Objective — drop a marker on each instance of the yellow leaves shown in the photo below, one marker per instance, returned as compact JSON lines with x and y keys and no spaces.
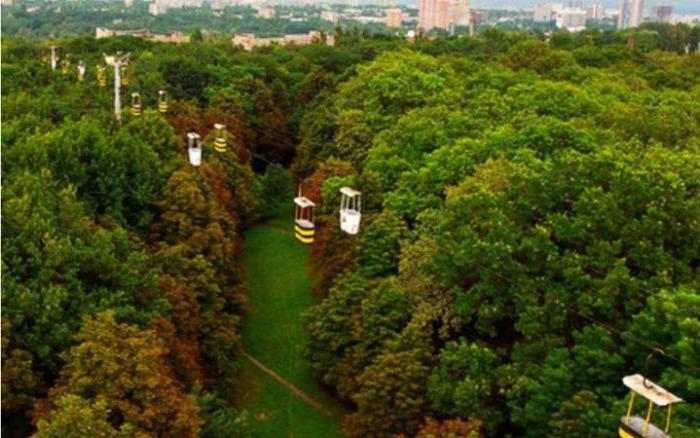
{"x":493,"y":175}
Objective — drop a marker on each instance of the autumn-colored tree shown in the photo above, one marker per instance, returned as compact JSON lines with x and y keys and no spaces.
{"x":77,"y":417}
{"x":451,"y":428}
{"x":124,"y":368}
{"x":196,"y":243}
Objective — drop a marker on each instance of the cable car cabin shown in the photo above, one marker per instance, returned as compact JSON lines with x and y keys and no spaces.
{"x":304,"y":228}
{"x":136,"y":104}
{"x":194,"y":148}
{"x":350,"y":210}
{"x":81,"y":71}
{"x":632,"y":426}
{"x":123,"y":75}
{"x":101,"y":76}
{"x":162,"y":102}
{"x":65,"y":66}
{"x":219,"y":137}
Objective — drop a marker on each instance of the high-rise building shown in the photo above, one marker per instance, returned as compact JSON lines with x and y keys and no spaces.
{"x":460,"y":13}
{"x":663,"y":13}
{"x":426,"y":14}
{"x":631,"y":14}
{"x":545,"y":12}
{"x":394,"y":17}
{"x":442,"y":14}
{"x":595,"y":12}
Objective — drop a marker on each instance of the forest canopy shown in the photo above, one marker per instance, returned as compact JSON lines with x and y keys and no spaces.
{"x":530,"y":229}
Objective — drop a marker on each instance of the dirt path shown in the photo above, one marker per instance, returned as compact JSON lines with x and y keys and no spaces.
{"x":296,"y":391}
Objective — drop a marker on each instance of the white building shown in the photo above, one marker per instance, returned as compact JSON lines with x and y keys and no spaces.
{"x":546,"y":12}
{"x":572,"y":19}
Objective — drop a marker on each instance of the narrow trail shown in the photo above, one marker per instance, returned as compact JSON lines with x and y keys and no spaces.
{"x":278,"y":388}
{"x":298,"y":392}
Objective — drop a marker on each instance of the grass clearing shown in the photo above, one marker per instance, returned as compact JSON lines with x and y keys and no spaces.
{"x":278,"y":289}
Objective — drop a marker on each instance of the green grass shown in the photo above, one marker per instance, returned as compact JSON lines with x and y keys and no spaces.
{"x":278,"y":289}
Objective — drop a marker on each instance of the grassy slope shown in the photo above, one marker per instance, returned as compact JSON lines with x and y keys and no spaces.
{"x":278,"y":290}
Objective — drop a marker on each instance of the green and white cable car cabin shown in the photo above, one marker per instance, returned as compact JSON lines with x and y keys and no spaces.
{"x":136,"y":104}
{"x":632,"y":426}
{"x":194,"y":148}
{"x":304,"y":227}
{"x":162,"y":102}
{"x":350,"y":210}
{"x":219,"y":137}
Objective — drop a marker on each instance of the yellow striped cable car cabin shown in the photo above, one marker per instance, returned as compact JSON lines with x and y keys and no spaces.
{"x":219,"y":137}
{"x":136,"y":104}
{"x":81,"y":70}
{"x":632,"y":426}
{"x":101,"y":76}
{"x":65,"y":66}
{"x":162,"y":102}
{"x":350,"y":210}
{"x":194,"y":148}
{"x":123,"y":74}
{"x":304,"y":227}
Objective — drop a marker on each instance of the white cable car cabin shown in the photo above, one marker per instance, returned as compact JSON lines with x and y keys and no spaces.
{"x":194,"y":148}
{"x":304,"y":228}
{"x":632,"y":426}
{"x":350,"y":210}
{"x":136,"y":104}
{"x":219,"y":137}
{"x":81,"y":71}
{"x":162,"y":102}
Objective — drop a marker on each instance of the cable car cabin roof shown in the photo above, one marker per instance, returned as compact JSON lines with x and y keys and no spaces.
{"x":303,"y":202}
{"x":652,"y":392}
{"x":347,"y":191}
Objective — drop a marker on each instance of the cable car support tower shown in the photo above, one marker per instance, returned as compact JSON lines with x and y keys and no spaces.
{"x":116,"y":62}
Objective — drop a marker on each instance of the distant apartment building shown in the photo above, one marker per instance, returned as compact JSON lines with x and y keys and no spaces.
{"x":171,"y":37}
{"x":128,"y":3}
{"x":158,"y":7}
{"x":442,"y":14}
{"x":546,"y":12}
{"x":630,"y":14}
{"x":595,"y":12}
{"x":266,"y":12}
{"x":249,"y":41}
{"x":461,"y":14}
{"x":572,"y":19}
{"x":663,"y":13}
{"x":394,"y":17}
{"x":330,"y":16}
